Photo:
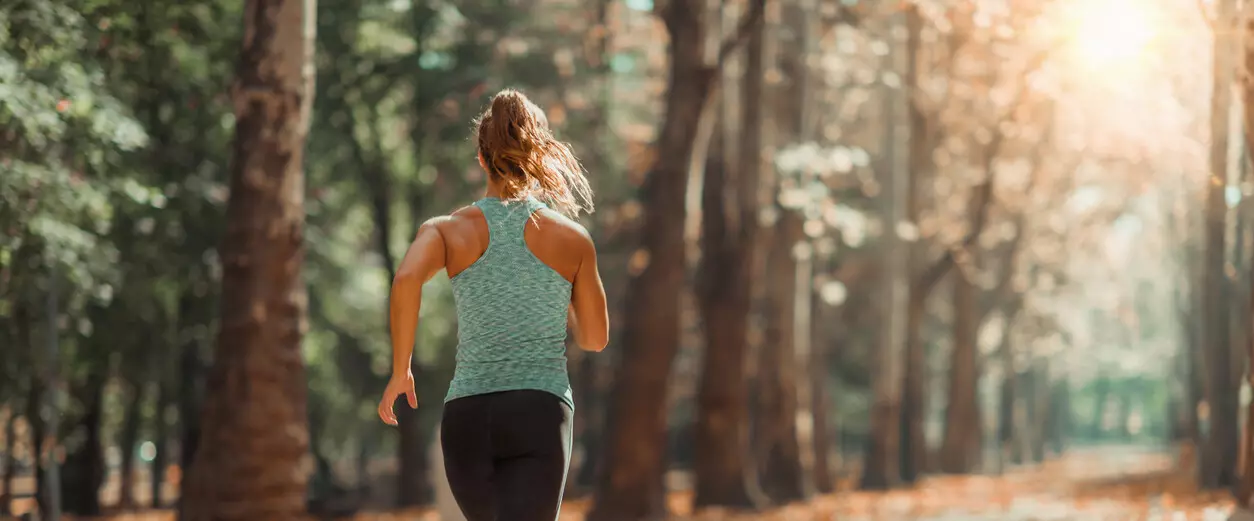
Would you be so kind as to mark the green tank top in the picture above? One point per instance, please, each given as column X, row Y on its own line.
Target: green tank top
column 511, row 313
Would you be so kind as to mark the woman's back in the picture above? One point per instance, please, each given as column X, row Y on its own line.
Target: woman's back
column 520, row 275
column 512, row 265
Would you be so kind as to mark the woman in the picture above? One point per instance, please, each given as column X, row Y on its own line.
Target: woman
column 521, row 274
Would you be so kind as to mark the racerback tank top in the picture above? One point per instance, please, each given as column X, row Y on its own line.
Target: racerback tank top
column 511, row 312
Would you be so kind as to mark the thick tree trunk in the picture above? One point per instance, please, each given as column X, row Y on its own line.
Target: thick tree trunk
column 1219, row 453
column 960, row 450
column 914, row 450
column 881, row 465
column 632, row 485
column 785, row 473
column 1245, row 492
column 253, row 459
column 84, row 467
column 723, row 472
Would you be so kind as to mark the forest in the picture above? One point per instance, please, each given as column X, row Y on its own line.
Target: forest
column 867, row 260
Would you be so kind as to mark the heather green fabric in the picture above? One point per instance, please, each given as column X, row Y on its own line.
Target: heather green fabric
column 511, row 313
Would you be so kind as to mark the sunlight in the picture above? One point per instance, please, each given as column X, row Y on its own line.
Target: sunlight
column 1112, row 32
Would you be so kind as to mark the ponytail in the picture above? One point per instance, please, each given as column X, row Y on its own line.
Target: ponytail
column 521, row 154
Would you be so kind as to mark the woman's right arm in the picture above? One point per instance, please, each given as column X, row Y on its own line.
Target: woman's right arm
column 588, row 316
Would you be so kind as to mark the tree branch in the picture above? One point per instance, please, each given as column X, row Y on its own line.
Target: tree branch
column 755, row 16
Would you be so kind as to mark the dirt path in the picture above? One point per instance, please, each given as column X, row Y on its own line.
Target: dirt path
column 1106, row 484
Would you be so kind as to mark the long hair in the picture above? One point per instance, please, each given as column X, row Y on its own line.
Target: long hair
column 522, row 156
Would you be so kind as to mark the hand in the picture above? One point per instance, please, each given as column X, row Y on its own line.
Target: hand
column 397, row 385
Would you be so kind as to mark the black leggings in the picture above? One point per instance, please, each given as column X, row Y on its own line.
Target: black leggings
column 506, row 454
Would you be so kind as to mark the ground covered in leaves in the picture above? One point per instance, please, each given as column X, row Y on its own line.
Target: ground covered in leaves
column 1107, row 484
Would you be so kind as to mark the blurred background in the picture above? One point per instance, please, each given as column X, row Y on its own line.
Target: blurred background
column 916, row 259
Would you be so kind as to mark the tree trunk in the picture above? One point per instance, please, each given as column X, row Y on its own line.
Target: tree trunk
column 128, row 439
column 597, row 372
column 1219, row 453
column 253, row 459
column 10, row 461
column 49, row 487
column 960, row 449
column 824, row 476
column 881, row 465
column 914, row 450
column 723, row 472
column 38, row 434
column 84, row 467
column 1059, row 413
column 1041, row 411
column 785, row 475
column 161, row 435
column 632, row 485
column 1245, row 492
column 191, row 385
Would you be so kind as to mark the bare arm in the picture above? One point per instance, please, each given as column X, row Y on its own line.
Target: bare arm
column 587, row 315
column 424, row 259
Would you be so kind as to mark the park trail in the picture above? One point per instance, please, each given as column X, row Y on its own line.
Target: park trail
column 1092, row 484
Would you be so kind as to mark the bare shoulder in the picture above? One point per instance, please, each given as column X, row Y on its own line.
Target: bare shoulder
column 461, row 219
column 562, row 229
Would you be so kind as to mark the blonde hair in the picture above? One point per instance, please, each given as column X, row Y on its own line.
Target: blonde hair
column 521, row 154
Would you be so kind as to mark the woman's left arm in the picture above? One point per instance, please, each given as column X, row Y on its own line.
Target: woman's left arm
column 424, row 259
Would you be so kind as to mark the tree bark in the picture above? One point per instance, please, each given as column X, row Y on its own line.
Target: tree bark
column 914, row 450
column 1245, row 491
column 161, row 436
column 84, row 469
column 1220, row 451
column 127, row 440
column 49, row 487
column 881, row 467
column 785, row 474
column 820, row 350
column 191, row 385
column 723, row 470
column 960, row 450
column 632, row 485
column 253, row 459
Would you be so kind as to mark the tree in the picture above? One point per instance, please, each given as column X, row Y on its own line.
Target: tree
column 631, row 487
column 880, row 469
column 253, row 461
column 1218, row 461
column 729, row 219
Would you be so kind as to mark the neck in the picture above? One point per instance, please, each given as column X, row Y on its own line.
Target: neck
column 492, row 191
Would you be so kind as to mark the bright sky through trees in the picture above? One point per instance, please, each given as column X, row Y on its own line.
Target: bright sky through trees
column 1112, row 33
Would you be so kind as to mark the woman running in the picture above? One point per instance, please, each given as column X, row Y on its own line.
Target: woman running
column 521, row 272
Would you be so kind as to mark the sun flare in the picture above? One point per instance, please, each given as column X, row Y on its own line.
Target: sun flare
column 1112, row 32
